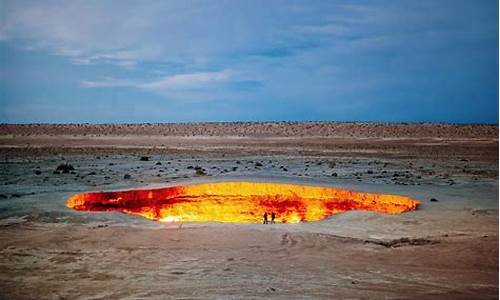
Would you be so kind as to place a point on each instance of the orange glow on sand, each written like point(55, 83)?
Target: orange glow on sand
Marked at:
point(239, 202)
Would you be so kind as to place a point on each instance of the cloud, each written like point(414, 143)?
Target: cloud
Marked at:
point(107, 83)
point(201, 86)
point(84, 31)
point(171, 82)
point(189, 81)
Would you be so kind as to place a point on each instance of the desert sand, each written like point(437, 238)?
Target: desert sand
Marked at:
point(446, 249)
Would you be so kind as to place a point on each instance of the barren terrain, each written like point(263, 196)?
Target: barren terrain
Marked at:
point(447, 249)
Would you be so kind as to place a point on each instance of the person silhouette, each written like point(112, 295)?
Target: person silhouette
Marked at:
point(265, 217)
point(273, 216)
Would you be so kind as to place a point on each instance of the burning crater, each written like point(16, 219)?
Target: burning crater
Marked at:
point(239, 202)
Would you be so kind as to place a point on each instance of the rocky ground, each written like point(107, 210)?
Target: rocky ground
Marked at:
point(446, 249)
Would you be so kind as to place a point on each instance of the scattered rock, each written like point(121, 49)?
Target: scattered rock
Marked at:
point(65, 168)
point(144, 158)
point(200, 172)
point(127, 176)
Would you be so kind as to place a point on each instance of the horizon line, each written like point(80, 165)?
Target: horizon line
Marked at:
point(257, 122)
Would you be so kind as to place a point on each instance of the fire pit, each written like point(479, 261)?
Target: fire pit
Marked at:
point(239, 202)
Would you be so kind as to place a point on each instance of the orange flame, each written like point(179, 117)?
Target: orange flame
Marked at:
point(239, 202)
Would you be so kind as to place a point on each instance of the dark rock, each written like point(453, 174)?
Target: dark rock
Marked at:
point(434, 200)
point(144, 158)
point(38, 172)
point(200, 172)
point(334, 174)
point(65, 168)
point(127, 176)
point(258, 164)
point(158, 164)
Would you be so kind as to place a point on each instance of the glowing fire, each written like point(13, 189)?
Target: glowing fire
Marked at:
point(239, 202)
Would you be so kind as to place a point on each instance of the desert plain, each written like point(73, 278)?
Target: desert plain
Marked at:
point(446, 249)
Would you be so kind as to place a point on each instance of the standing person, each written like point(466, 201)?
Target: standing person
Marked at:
point(265, 217)
point(273, 216)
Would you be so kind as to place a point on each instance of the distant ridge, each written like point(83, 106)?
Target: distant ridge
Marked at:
point(262, 129)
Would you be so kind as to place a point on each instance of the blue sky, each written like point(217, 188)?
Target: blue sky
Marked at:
point(182, 61)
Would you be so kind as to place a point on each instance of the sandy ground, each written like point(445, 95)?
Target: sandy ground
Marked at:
point(448, 249)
